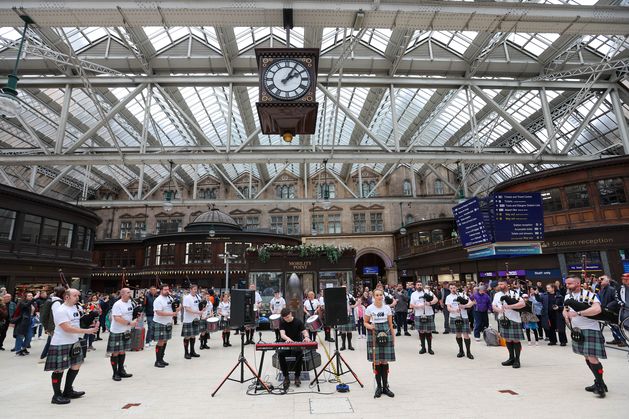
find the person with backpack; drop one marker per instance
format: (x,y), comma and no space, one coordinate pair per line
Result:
(46,316)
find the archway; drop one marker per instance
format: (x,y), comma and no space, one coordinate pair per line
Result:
(369,269)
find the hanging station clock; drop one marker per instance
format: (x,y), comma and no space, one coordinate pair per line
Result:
(288,78)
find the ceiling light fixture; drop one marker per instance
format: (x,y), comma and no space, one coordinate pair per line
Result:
(10,106)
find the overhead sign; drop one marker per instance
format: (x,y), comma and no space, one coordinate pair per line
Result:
(518,272)
(486,274)
(517,217)
(470,223)
(370,270)
(542,274)
(625,266)
(588,267)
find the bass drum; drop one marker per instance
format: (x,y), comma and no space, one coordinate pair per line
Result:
(275,321)
(314,323)
(213,324)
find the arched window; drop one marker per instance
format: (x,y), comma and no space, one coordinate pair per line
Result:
(407,188)
(438,187)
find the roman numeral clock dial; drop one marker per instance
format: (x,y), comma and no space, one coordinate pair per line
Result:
(287,79)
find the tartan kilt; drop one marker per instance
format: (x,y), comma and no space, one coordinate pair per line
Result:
(190,330)
(203,326)
(593,344)
(350,326)
(427,327)
(59,358)
(512,332)
(160,331)
(116,343)
(464,328)
(383,353)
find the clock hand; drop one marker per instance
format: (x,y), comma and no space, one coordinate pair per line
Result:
(290,74)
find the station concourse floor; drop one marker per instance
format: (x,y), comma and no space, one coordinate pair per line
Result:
(549,384)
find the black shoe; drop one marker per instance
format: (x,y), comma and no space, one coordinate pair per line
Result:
(25,352)
(342,348)
(116,377)
(508,362)
(1,348)
(329,340)
(187,356)
(297,382)
(73,394)
(98,339)
(470,356)
(398,334)
(446,332)
(460,355)
(592,388)
(435,332)
(28,347)
(388,392)
(422,351)
(406,334)
(165,363)
(516,363)
(159,364)
(59,400)
(378,393)
(194,355)
(430,351)
(21,353)
(286,383)
(613,342)
(552,343)
(600,389)
(13,350)
(563,344)
(229,344)
(350,347)
(224,344)
(123,374)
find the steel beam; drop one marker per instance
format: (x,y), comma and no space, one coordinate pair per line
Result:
(42,82)
(621,121)
(280,158)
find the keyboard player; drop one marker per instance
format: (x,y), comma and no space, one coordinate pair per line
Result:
(291,330)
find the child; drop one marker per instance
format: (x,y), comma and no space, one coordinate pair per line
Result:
(529,321)
(359,313)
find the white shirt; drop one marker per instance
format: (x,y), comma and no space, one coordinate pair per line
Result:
(224,308)
(208,310)
(417,298)
(452,302)
(311,305)
(162,303)
(510,314)
(65,314)
(321,302)
(277,304)
(190,301)
(125,310)
(581,322)
(258,298)
(379,314)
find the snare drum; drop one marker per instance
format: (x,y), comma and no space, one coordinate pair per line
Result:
(314,323)
(275,321)
(212,324)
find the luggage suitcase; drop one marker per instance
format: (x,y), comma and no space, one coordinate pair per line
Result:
(491,337)
(137,339)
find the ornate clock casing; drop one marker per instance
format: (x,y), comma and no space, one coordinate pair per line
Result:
(288,79)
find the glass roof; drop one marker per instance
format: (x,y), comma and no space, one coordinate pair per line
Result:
(208,106)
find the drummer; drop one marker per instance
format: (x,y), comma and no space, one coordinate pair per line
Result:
(207,311)
(311,307)
(277,303)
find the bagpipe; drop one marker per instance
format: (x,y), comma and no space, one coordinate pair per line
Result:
(429,297)
(606,315)
(88,319)
(512,300)
(138,309)
(461,299)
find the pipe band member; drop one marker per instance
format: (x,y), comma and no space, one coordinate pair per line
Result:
(291,330)
(119,341)
(207,311)
(224,308)
(590,343)
(457,304)
(312,306)
(505,303)
(421,302)
(191,323)
(65,349)
(378,320)
(163,323)
(276,304)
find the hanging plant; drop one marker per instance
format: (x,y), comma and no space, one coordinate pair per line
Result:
(332,253)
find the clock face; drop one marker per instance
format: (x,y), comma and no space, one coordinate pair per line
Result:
(287,79)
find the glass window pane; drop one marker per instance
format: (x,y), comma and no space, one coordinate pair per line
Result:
(578,196)
(80,237)
(551,199)
(7,223)
(612,191)
(49,232)
(65,235)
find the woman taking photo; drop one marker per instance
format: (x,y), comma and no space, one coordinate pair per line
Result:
(378,320)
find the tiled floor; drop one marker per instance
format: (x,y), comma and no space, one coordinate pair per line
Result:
(549,384)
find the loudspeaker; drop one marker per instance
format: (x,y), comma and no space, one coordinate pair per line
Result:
(241,313)
(335,300)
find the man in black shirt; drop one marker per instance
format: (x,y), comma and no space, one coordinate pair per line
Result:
(291,330)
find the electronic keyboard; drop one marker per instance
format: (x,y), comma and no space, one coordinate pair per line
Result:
(286,345)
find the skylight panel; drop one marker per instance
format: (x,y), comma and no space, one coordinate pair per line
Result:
(207,34)
(246,37)
(161,37)
(378,39)
(534,43)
